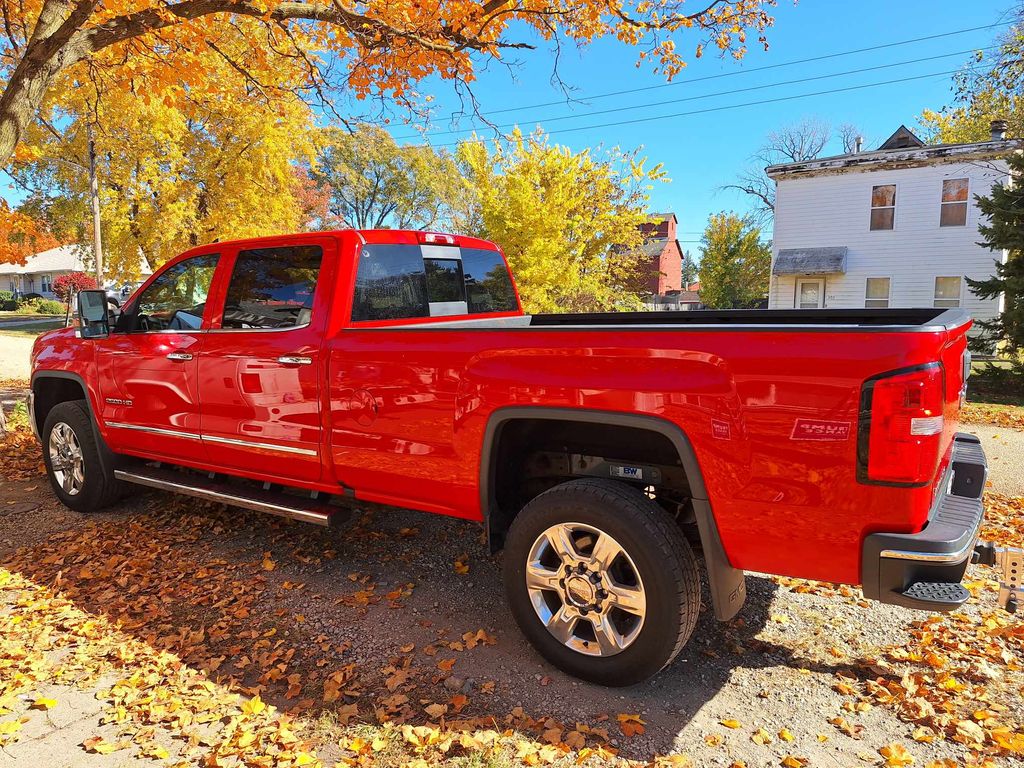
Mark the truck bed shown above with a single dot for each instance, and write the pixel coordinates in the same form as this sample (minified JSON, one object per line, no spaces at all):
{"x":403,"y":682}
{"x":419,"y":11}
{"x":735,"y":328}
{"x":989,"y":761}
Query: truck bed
{"x":924,"y":319}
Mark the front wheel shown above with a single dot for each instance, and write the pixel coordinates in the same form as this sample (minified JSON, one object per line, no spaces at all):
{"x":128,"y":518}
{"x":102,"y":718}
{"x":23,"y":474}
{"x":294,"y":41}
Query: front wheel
{"x":601,"y":581}
{"x":71,"y":453}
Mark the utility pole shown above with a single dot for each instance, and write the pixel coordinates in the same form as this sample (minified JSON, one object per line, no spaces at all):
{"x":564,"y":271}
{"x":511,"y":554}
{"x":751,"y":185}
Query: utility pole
{"x":94,"y":192}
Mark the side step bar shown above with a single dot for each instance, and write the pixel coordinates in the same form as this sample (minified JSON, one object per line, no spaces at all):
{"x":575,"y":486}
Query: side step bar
{"x":272,"y":502}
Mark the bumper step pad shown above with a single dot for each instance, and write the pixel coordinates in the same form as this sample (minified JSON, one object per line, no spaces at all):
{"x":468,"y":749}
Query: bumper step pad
{"x":936,"y":595}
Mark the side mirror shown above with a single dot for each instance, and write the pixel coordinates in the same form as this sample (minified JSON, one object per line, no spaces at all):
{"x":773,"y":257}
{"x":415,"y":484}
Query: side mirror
{"x":93,"y":321}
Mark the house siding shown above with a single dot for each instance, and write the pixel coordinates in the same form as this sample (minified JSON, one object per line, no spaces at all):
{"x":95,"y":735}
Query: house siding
{"x":834,"y":210}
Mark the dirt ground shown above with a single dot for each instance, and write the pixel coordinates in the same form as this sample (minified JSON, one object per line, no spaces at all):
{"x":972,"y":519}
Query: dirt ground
{"x":396,"y":614}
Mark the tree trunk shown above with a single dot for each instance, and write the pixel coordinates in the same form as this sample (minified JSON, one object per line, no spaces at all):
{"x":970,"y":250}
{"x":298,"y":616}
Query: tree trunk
{"x":46,"y":54}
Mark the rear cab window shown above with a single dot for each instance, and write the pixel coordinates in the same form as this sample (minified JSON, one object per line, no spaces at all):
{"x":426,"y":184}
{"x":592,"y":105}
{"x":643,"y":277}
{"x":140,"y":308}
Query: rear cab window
{"x":403,"y":281}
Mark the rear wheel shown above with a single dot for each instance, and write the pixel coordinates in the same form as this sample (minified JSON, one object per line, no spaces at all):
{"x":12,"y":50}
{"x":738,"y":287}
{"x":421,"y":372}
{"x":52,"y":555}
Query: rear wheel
{"x":71,"y":453}
{"x":601,"y":581}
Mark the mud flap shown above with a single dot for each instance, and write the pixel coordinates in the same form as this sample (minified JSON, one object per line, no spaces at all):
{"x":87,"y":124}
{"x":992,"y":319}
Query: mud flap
{"x":728,"y":584}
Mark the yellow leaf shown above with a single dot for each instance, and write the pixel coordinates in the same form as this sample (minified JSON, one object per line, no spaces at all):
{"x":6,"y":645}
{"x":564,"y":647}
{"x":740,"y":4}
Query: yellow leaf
{"x":304,"y":759}
{"x":896,"y":755}
{"x":11,"y":726}
{"x":731,"y":723}
{"x":44,"y":703}
{"x":786,"y":735}
{"x":253,"y":706}
{"x":794,"y":762}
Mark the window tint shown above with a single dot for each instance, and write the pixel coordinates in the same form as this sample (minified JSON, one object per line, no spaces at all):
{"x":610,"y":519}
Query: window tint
{"x":444,"y":280}
{"x":175,"y":300}
{"x":947,"y":291}
{"x":883,"y":206}
{"x":954,"y":203}
{"x":488,"y":286}
{"x":391,"y":283}
{"x":272,"y":287}
{"x":876,"y":293}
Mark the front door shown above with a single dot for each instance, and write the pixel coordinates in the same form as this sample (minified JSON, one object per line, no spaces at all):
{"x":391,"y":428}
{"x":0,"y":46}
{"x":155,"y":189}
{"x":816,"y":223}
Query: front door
{"x":810,"y":294}
{"x":259,"y":370}
{"x":147,"y":365}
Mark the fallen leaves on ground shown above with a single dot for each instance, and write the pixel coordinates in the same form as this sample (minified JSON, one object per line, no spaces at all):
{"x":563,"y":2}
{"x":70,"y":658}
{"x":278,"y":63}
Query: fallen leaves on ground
{"x":21,"y":458}
{"x":196,"y":650}
{"x":957,"y":677}
{"x":1006,"y":416}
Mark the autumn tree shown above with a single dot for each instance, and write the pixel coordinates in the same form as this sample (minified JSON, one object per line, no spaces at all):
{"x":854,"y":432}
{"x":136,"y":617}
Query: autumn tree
{"x":172,"y":178}
{"x":734,"y":263}
{"x":985,"y":90}
{"x":569,"y":222}
{"x":370,"y":182}
{"x":357,"y":49}
{"x":21,"y":235}
{"x":690,"y":270}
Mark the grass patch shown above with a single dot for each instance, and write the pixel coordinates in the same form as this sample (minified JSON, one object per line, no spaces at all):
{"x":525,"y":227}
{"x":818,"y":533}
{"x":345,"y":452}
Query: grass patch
{"x":34,"y":328}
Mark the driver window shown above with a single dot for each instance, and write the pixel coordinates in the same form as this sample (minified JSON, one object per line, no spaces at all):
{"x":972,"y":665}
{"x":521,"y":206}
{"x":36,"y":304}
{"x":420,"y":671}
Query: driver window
{"x":176,"y":299}
{"x":272,"y":287}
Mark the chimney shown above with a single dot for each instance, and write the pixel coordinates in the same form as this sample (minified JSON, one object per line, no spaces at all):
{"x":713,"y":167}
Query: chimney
{"x":670,"y":230}
{"x":998,"y":128}
{"x":858,"y":144}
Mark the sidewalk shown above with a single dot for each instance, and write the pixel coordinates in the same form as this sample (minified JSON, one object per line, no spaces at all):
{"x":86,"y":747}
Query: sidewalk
{"x":14,"y":356}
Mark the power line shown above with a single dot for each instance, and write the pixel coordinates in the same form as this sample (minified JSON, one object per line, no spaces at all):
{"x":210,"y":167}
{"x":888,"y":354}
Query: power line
{"x":730,"y":106}
{"x":764,"y":68}
{"x":700,"y":97}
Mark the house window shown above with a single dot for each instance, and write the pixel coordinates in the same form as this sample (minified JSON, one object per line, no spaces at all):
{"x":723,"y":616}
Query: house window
{"x":947,"y":291}
{"x":883,"y":206}
{"x":954,"y":203}
{"x":876,"y":292}
{"x":45,"y":282}
{"x":810,"y":294}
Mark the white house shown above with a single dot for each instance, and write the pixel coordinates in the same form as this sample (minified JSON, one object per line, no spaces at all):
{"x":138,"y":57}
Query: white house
{"x":37,"y":273}
{"x":893,"y":227}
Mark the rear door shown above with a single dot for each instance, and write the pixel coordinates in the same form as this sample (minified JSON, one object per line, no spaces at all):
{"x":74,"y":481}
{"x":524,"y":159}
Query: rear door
{"x":260,"y":368}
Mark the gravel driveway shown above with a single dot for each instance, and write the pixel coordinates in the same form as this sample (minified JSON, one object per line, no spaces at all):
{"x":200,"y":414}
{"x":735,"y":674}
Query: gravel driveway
{"x":382,"y":593}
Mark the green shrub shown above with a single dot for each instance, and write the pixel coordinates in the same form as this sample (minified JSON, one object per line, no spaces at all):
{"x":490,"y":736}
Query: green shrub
{"x":50,"y":307}
{"x":7,"y":302}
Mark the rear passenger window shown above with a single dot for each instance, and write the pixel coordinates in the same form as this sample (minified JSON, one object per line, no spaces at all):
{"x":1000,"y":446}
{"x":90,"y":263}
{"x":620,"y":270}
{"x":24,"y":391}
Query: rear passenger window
{"x":390,"y":283}
{"x":272,"y":287}
{"x":488,"y":286}
{"x":396,"y":282}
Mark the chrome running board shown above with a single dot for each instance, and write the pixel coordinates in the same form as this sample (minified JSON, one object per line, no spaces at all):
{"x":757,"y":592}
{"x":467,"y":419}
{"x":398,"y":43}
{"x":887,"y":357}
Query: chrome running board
{"x":309,"y":510}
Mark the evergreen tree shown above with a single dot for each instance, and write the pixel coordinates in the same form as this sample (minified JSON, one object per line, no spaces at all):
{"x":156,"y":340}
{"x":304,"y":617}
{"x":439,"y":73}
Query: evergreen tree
{"x":1004,"y":230}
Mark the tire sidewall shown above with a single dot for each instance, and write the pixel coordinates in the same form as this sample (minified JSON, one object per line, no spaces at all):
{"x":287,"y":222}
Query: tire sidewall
{"x":656,"y":643}
{"x":72,"y":414}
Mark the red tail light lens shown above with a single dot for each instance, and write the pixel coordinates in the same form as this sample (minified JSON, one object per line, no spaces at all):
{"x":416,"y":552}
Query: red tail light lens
{"x":901,"y":427}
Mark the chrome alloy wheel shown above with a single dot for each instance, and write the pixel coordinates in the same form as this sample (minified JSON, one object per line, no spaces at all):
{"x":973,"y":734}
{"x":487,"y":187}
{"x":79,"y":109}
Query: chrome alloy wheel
{"x":66,"y":459}
{"x":586,"y":589}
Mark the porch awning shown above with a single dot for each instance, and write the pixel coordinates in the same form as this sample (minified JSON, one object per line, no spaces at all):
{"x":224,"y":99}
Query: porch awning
{"x":810,"y":261}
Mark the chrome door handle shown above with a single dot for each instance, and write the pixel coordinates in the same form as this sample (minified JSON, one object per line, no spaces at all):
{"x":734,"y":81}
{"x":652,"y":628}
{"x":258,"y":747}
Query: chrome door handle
{"x":294,"y":360}
{"x":179,"y":356}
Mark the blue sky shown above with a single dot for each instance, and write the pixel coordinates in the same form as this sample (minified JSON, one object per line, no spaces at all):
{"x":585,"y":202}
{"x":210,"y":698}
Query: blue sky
{"x":703,"y":152}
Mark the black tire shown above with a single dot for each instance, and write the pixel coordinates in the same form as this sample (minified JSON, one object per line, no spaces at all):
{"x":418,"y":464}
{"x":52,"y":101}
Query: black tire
{"x":658,"y":551}
{"x":99,"y":489}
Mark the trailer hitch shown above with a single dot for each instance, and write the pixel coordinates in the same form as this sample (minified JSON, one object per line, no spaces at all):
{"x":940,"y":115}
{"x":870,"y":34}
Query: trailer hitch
{"x":1010,"y":562}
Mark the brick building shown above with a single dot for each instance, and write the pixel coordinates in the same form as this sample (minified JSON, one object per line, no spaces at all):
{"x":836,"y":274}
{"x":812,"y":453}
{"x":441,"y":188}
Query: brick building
{"x":665,"y":254}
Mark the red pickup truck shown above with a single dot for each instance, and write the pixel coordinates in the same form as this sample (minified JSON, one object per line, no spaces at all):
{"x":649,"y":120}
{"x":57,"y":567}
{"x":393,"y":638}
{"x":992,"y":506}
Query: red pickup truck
{"x":290,"y":374}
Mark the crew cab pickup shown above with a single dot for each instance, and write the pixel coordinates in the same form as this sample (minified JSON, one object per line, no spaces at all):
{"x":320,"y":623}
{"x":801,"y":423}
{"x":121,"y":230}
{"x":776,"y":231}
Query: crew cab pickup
{"x":298,"y":375}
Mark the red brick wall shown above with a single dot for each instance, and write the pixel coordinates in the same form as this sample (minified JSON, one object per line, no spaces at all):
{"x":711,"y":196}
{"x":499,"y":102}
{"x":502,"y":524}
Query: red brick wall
{"x":666,"y":267}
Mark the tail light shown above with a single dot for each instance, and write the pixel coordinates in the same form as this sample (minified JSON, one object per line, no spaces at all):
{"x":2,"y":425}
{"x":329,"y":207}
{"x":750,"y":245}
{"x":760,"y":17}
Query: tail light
{"x":901,"y":426}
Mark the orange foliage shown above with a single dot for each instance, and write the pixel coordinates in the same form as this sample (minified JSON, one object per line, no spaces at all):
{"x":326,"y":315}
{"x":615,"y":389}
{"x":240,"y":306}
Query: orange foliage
{"x":21,"y":236}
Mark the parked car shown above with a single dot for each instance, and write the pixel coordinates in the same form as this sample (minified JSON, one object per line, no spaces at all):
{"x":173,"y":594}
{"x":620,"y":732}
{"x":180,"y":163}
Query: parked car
{"x":297,"y":374}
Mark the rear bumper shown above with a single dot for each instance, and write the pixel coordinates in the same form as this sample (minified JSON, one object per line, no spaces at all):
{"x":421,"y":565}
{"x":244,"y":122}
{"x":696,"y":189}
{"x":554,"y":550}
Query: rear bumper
{"x":937,"y":556}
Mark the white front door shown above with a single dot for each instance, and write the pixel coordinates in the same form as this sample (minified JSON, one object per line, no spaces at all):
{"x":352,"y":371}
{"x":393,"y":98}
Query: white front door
{"x":810,"y":294}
